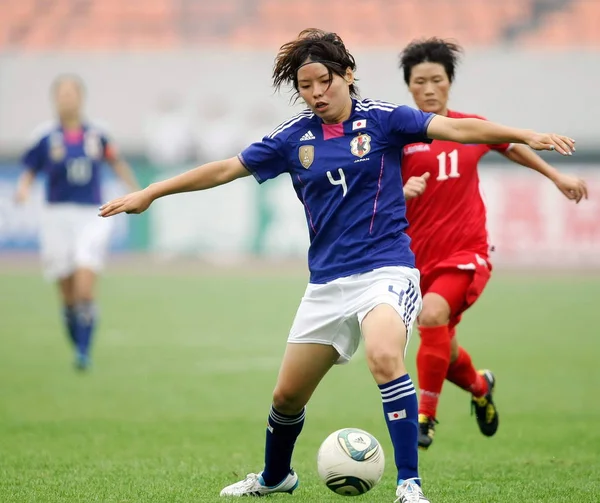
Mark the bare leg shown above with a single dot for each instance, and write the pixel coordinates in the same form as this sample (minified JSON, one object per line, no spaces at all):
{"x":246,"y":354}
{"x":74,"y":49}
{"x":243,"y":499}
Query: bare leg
{"x":303,"y":367}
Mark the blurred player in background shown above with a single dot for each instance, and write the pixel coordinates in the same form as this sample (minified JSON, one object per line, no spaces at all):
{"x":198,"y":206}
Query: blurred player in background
{"x":449,"y":235}
{"x":343,"y":156}
{"x":70,"y":153}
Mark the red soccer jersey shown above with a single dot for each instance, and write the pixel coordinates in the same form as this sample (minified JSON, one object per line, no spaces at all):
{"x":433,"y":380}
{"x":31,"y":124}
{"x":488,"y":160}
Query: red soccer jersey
{"x":449,"y":219}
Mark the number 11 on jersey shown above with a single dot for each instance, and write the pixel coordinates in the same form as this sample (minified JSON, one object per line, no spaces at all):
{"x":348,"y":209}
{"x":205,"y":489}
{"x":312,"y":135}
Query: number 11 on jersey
{"x":443,"y":175}
{"x":341,"y":181}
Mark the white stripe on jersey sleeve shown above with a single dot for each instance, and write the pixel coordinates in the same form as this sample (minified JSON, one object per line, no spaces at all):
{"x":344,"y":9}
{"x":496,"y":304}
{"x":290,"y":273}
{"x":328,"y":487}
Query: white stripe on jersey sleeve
{"x":41,"y":130}
{"x":306,"y":114}
{"x":99,"y":126}
{"x":369,"y":101}
{"x":374,"y":107}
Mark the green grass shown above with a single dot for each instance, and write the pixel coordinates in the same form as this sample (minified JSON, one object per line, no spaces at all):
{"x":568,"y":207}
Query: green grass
{"x":175,"y":405}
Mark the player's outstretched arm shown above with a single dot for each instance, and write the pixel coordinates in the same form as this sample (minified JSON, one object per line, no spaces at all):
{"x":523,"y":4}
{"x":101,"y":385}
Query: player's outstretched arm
{"x":481,"y":131}
{"x":572,"y":187}
{"x":203,"y":177}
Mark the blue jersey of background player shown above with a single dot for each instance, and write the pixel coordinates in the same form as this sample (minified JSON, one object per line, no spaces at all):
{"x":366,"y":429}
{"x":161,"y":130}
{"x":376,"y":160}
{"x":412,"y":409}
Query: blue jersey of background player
{"x":70,"y":154}
{"x":345,"y":175}
{"x":71,"y":161}
{"x":343,"y":156}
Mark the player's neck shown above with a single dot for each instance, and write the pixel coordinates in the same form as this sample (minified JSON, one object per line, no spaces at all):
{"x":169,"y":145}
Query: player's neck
{"x":344,"y":114}
{"x":70,"y":123}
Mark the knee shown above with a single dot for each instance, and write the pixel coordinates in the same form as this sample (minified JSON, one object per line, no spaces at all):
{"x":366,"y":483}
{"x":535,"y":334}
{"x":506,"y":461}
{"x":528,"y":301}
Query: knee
{"x":287,"y":402}
{"x":434,"y":313}
{"x":83,"y":293}
{"x":83,"y":285}
{"x":386,"y":363}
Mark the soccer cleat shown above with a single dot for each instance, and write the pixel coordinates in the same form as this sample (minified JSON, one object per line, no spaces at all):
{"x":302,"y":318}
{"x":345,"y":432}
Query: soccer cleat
{"x":484,"y":407}
{"x":254,"y":485}
{"x":82,"y":361}
{"x":409,"y":491}
{"x":426,"y":431}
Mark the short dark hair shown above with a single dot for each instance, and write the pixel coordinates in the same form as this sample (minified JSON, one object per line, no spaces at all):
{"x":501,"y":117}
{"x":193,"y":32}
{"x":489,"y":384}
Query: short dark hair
{"x":430,"y":50}
{"x":315,"y":45}
{"x":67,"y":77}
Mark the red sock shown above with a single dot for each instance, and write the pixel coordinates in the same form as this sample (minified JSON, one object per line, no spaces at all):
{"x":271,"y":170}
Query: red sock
{"x":433,"y":359}
{"x":463,"y":374}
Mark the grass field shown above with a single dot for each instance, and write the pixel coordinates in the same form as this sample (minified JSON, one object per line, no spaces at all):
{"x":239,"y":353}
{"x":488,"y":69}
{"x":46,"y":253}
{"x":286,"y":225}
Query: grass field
{"x":175,"y":406}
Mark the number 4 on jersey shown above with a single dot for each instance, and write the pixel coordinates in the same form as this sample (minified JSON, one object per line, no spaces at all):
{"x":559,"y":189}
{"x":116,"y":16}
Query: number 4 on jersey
{"x":341,"y":181}
{"x":443,"y":174}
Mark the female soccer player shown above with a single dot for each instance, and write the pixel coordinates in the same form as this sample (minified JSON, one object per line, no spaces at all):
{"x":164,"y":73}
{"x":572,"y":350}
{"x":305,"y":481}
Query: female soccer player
{"x":343,"y":157}
{"x":74,"y":241}
{"x":449,"y":236}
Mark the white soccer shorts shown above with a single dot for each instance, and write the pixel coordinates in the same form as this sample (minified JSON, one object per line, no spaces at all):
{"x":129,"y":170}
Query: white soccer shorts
{"x":332,"y":313}
{"x":73,"y":237}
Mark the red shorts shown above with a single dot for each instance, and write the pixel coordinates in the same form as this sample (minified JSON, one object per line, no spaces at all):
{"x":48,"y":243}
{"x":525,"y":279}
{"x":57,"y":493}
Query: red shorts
{"x":460,"y":280}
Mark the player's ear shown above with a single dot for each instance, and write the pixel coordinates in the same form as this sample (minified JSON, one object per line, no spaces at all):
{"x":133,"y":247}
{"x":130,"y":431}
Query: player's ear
{"x":349,"y":76}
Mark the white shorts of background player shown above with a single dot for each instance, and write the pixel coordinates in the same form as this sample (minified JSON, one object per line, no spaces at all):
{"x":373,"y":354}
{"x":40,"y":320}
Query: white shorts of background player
{"x":73,"y":237}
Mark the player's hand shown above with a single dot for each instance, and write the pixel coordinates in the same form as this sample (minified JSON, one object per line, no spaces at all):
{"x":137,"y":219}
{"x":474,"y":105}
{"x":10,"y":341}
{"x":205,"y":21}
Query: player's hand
{"x":136,"y":202}
{"x":415,"y":186}
{"x":572,"y":187}
{"x":550,"y":141}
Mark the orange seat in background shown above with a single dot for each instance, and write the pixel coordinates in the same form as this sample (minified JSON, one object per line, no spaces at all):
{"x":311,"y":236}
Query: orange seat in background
{"x":29,"y":25}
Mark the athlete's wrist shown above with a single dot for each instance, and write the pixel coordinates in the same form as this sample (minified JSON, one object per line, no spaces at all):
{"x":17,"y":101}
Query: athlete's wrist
{"x":526,"y":136}
{"x":553,"y":174}
{"x":153,"y":191}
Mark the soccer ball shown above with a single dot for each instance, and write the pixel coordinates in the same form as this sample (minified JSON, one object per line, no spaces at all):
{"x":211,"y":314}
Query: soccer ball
{"x":350,"y":462}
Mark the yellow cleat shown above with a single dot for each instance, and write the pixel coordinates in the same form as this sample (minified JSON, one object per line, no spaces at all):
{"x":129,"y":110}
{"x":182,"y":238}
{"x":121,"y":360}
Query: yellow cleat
{"x":426,"y":430}
{"x":484,"y":407}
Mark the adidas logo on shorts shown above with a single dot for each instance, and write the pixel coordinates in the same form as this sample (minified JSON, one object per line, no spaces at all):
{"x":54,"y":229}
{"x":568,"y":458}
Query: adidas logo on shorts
{"x":308,"y":136}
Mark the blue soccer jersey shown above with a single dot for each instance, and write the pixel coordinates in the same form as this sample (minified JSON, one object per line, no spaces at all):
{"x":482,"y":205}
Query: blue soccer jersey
{"x":71,"y":161}
{"x":348,"y":178}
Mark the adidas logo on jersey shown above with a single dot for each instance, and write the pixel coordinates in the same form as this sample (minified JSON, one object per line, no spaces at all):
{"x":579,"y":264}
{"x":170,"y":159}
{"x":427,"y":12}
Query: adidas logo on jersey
{"x":308,"y":136}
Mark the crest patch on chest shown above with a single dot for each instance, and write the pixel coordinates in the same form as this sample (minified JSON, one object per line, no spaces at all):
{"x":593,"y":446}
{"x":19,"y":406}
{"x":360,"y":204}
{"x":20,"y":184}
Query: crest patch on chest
{"x":360,"y":145}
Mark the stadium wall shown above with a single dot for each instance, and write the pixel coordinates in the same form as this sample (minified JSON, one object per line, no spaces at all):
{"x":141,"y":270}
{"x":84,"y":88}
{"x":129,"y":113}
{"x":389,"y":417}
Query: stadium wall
{"x":540,"y":90}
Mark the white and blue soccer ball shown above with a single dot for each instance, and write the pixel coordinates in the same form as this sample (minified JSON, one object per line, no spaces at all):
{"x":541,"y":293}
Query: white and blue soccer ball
{"x":350,"y":462}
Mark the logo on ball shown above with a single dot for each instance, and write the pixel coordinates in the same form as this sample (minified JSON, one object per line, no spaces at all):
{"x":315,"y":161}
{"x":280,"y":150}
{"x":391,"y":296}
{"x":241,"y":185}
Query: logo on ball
{"x":350,"y":462}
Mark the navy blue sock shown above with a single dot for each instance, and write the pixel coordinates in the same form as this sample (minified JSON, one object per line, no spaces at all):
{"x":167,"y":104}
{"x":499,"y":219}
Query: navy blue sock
{"x":70,"y":323}
{"x":282,"y":432}
{"x":401,"y":412}
{"x":86,"y":319}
